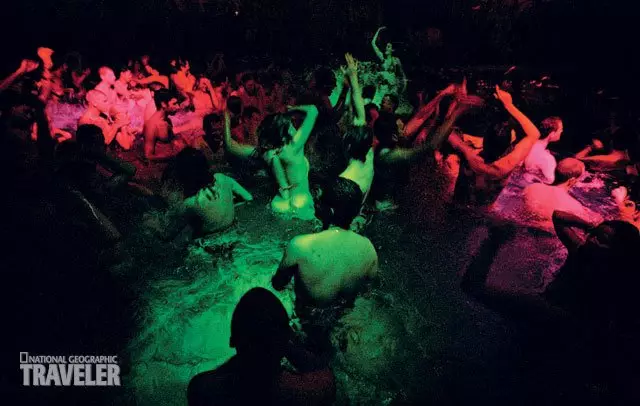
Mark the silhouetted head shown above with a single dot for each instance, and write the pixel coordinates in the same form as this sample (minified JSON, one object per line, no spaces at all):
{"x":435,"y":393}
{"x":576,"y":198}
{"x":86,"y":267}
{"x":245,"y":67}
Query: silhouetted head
{"x":251,"y":118}
{"x":249,"y":83}
{"x":569,"y":170}
{"x":551,"y":128}
{"x":323,"y":80}
{"x":234,"y":104}
{"x":191,"y":171}
{"x":90,"y":138}
{"x":260,"y":327}
{"x":358,"y":140}
{"x":338,"y":203}
{"x":371,"y":112}
{"x":389,"y":103}
{"x":275,"y":131}
{"x":385,"y":130}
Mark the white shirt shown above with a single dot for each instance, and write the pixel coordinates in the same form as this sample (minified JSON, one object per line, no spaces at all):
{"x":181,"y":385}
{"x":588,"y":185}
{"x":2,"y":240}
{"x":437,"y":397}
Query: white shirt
{"x":540,"y":164}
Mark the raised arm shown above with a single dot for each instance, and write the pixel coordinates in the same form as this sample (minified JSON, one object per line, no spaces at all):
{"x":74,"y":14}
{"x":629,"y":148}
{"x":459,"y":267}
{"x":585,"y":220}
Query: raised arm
{"x":374,"y":41}
{"x":232,"y":146}
{"x":302,"y":135}
{"x":356,"y":92}
{"x":503,"y":166}
{"x":419,"y":119}
{"x":25,"y":66}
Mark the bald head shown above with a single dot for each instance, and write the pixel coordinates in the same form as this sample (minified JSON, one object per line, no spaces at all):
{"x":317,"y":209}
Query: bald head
{"x":568,"y":169}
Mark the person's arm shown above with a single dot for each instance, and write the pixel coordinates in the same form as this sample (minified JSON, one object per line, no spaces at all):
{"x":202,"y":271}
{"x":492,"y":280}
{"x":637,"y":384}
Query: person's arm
{"x":302,"y":360}
{"x":356,"y":92}
{"x":435,"y":142}
{"x":301,"y":136}
{"x":567,"y":226}
{"x":606,"y":162}
{"x":237,"y":189}
{"x":279,"y":173}
{"x":418,"y":120}
{"x":232,"y":146}
{"x":505,"y":165}
{"x":288,"y":266}
{"x":402,"y":76}
{"x":374,"y":41}
{"x":596,"y":145}
{"x":25,"y":66}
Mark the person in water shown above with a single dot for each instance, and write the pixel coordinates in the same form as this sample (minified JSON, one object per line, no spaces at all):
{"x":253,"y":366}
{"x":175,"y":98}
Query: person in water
{"x":261,"y":335}
{"x":281,"y":147}
{"x":331,"y":267}
{"x":541,"y":200}
{"x":202,"y":200}
{"x":540,"y":163}
{"x":158,"y":129}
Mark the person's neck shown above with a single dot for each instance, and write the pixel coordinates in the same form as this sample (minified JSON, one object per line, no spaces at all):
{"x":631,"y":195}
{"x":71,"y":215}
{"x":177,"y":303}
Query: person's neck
{"x":335,"y":228}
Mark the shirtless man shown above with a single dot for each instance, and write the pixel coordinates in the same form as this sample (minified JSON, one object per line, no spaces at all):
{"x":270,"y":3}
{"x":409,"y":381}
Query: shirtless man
{"x":107,"y":86}
{"x":541,"y":200}
{"x":334,"y":263}
{"x":160,"y":129}
{"x":95,"y":114}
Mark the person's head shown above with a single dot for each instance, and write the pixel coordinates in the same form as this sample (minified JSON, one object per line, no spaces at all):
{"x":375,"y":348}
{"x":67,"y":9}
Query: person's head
{"x":155,"y":86}
{"x":338,"y":203}
{"x":368,"y":92}
{"x":385,"y":130}
{"x":183,"y":65}
{"x":166,"y":100}
{"x":145,"y":60}
{"x":90,"y":138}
{"x":323,"y":80}
{"x":371,"y":114}
{"x":234,"y":105}
{"x":191,"y":171}
{"x":568,"y":171}
{"x":551,"y":129}
{"x":107,"y":75}
{"x":98,"y":100}
{"x":275,"y":131}
{"x":251,"y":118}
{"x":249,"y":83}
{"x":260,"y":328}
{"x":125,"y":75}
{"x":389,"y":103}
{"x":388,"y":51}
{"x":358,"y":141}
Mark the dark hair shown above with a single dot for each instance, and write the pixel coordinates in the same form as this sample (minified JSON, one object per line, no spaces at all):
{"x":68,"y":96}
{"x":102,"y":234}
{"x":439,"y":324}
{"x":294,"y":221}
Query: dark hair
{"x":234,"y":104}
{"x":394,"y":100}
{"x":163,"y":96}
{"x":210,"y":121}
{"x":250,"y":111}
{"x":549,"y":125}
{"x":247,"y":77}
{"x":191,"y":171}
{"x":89,"y":135}
{"x":259,"y":322}
{"x":367,"y":111}
{"x":385,"y":129}
{"x":325,"y":79}
{"x":273,"y":131}
{"x":340,"y":202}
{"x":358,"y":141}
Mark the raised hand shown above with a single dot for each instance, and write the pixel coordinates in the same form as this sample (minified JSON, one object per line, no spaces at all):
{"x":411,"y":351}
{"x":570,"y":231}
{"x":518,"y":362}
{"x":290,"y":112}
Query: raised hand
{"x":28,"y":65}
{"x":619,"y":194}
{"x":352,"y":64}
{"x":597,"y":144}
{"x":381,"y":29}
{"x":503,"y":96}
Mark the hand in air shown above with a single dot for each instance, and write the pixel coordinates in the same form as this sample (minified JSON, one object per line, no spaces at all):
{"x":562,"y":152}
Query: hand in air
{"x":28,"y":65}
{"x":597,"y":144}
{"x":352,"y":64}
{"x":503,"y":96}
{"x":381,"y":29}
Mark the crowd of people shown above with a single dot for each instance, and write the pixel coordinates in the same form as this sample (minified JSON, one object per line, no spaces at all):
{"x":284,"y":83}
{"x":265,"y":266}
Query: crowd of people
{"x":335,"y":152}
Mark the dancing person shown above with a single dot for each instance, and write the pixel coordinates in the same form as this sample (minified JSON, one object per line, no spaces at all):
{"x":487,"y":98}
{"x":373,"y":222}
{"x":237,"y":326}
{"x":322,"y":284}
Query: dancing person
{"x":540,"y":164}
{"x":331,"y":267}
{"x":609,"y":151}
{"x":261,"y":336}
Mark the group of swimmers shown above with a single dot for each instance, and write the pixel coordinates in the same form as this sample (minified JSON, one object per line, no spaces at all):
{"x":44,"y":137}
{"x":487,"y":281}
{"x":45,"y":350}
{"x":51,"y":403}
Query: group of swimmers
{"x":330,"y":159}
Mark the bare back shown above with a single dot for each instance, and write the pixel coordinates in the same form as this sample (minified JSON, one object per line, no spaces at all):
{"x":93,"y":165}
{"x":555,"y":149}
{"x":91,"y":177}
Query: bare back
{"x":333,"y":263}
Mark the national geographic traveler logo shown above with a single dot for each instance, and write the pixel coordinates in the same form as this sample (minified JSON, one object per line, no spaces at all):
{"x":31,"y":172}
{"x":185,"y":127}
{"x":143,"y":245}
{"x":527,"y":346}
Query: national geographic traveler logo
{"x":72,"y":370}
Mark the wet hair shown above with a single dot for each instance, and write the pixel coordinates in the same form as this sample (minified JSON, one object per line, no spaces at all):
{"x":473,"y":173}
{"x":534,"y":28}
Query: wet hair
{"x":340,"y":202}
{"x":234,"y":104}
{"x":210,"y":121}
{"x":163,"y":96}
{"x":250,"y":111}
{"x":191,"y":171}
{"x":567,"y":169}
{"x":357,"y":141}
{"x":549,"y":125}
{"x":384,"y":129}
{"x":259,"y":323}
{"x":273,"y":131}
